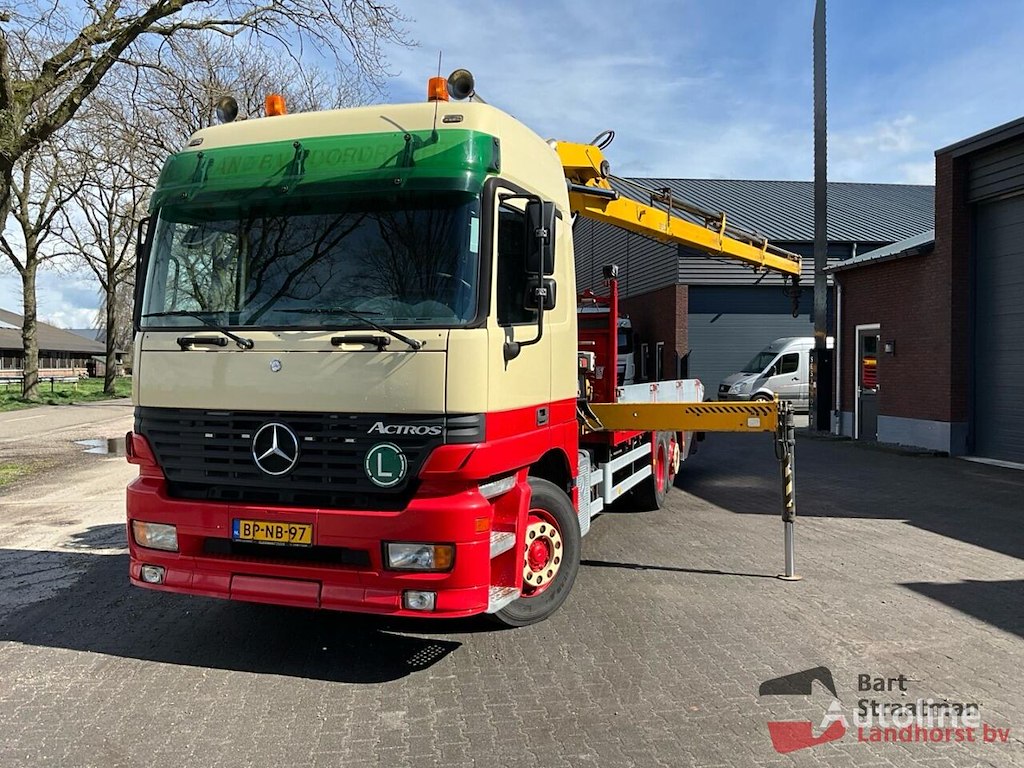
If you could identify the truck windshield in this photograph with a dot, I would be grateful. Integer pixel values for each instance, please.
(407, 259)
(761, 361)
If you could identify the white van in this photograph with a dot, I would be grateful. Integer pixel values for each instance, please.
(782, 368)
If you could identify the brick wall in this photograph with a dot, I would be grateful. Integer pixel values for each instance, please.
(923, 304)
(908, 298)
(660, 315)
(953, 245)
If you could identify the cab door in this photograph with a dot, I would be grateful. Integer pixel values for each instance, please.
(524, 382)
(784, 377)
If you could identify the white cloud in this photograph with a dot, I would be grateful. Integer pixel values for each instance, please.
(724, 90)
(885, 151)
(67, 300)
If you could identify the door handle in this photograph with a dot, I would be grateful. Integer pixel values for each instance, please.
(795, 379)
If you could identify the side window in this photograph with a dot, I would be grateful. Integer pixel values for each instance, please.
(511, 272)
(789, 363)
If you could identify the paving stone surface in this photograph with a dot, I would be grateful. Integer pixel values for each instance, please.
(912, 566)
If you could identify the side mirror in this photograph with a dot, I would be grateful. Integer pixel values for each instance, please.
(540, 237)
(540, 293)
(141, 237)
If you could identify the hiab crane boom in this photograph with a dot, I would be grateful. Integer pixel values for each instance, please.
(361, 382)
(592, 195)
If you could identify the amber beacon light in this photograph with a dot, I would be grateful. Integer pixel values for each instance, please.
(274, 105)
(437, 89)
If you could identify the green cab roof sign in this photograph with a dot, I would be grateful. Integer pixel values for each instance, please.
(450, 159)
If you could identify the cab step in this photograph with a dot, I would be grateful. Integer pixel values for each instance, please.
(501, 542)
(499, 597)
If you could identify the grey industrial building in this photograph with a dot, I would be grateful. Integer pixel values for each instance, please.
(703, 318)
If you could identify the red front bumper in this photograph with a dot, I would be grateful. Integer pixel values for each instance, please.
(462, 518)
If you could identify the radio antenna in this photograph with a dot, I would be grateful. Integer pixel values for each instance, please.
(433, 131)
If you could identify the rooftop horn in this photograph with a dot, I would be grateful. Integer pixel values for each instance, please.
(462, 86)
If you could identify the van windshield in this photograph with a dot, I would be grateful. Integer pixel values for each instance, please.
(761, 361)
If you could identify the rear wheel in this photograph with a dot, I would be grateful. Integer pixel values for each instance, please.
(651, 492)
(551, 556)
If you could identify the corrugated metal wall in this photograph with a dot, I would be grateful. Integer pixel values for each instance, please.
(696, 268)
(995, 172)
(729, 325)
(644, 265)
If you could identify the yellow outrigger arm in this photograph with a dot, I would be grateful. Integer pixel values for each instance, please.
(689, 417)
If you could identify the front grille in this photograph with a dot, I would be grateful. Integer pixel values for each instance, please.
(207, 455)
(723, 389)
(328, 557)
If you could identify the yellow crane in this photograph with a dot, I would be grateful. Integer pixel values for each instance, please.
(592, 195)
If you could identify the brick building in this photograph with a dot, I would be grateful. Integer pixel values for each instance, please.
(936, 322)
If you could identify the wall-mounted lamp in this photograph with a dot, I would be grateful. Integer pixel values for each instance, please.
(890, 347)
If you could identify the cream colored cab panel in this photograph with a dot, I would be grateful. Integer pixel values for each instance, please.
(260, 379)
(467, 377)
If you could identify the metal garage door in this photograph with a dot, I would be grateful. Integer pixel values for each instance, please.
(721, 344)
(999, 330)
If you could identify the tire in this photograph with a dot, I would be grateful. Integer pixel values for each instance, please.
(761, 398)
(651, 492)
(548, 506)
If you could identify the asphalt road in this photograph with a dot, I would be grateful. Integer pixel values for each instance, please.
(913, 566)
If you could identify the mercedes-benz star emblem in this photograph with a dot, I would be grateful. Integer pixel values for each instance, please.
(275, 448)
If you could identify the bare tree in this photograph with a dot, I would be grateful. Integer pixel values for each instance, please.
(176, 92)
(134, 122)
(41, 186)
(84, 41)
(54, 54)
(110, 198)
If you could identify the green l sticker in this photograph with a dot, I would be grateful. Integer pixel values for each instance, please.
(385, 465)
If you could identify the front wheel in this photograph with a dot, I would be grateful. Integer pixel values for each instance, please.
(551, 556)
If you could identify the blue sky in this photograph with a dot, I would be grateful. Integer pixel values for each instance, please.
(700, 89)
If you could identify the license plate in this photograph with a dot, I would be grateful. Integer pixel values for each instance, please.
(267, 532)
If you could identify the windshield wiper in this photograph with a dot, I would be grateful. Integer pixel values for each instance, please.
(243, 343)
(361, 317)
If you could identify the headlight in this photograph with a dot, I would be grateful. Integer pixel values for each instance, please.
(742, 388)
(403, 556)
(155, 535)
